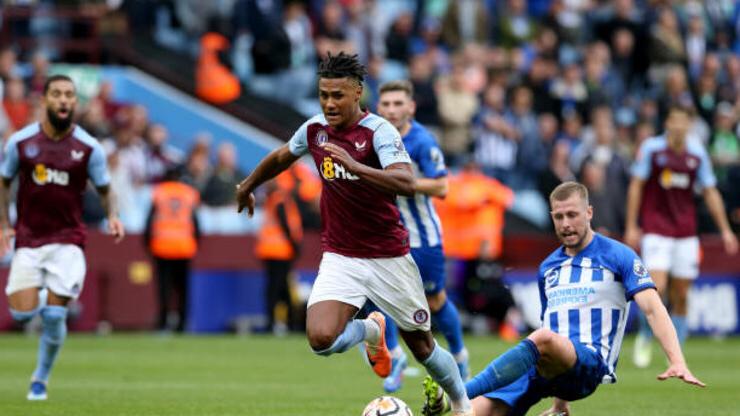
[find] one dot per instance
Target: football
(387, 406)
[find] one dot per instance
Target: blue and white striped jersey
(417, 212)
(584, 297)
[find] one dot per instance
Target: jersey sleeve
(641, 167)
(298, 144)
(705, 174)
(431, 160)
(389, 146)
(9, 164)
(97, 166)
(543, 297)
(635, 276)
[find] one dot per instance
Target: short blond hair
(399, 85)
(566, 189)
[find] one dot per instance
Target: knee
(543, 339)
(321, 341)
(422, 348)
(436, 301)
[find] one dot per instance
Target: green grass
(137, 375)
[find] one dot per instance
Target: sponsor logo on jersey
(42, 175)
(669, 179)
(692, 163)
(331, 170)
(321, 137)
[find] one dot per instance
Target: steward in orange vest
(278, 245)
(171, 236)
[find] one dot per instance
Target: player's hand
(559, 408)
(245, 199)
(729, 239)
(340, 155)
(115, 228)
(682, 372)
(7, 236)
(632, 237)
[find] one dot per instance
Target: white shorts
(392, 284)
(677, 256)
(58, 267)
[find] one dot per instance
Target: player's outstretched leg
(447, 319)
(441, 366)
(54, 332)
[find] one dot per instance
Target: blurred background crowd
(536, 92)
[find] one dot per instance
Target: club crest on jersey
(42, 175)
(331, 170)
(551, 277)
(321, 137)
(639, 269)
(691, 163)
(31, 151)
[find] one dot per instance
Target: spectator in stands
(724, 147)
(666, 43)
(465, 21)
(569, 89)
(695, 44)
(38, 74)
(93, 119)
(398, 41)
(606, 219)
(558, 169)
(531, 152)
(197, 169)
(9, 68)
(161, 157)
(496, 137)
(515, 26)
(421, 77)
(15, 103)
(705, 96)
(457, 106)
(219, 190)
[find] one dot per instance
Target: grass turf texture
(261, 375)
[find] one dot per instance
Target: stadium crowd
(537, 91)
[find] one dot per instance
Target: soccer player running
(53, 161)
(363, 165)
(396, 104)
(661, 195)
(584, 286)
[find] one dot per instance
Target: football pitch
(140, 375)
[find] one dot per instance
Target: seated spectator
(219, 189)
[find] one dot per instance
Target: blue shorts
(431, 264)
(575, 384)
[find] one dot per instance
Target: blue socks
(23, 316)
(505, 369)
(353, 334)
(682, 328)
(443, 369)
(447, 320)
(391, 333)
(54, 322)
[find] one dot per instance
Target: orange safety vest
(213, 80)
(173, 231)
(272, 243)
(473, 212)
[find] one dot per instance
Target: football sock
(353, 334)
(443, 369)
(23, 316)
(643, 326)
(54, 323)
(505, 369)
(391, 333)
(682, 328)
(447, 320)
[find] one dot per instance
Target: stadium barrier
(227, 284)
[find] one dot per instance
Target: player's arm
(652, 306)
(396, 178)
(716, 208)
(277, 161)
(110, 204)
(432, 186)
(559, 407)
(5, 228)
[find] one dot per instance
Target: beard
(578, 242)
(60, 124)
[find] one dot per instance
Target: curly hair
(342, 65)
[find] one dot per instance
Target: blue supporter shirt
(584, 297)
(417, 212)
